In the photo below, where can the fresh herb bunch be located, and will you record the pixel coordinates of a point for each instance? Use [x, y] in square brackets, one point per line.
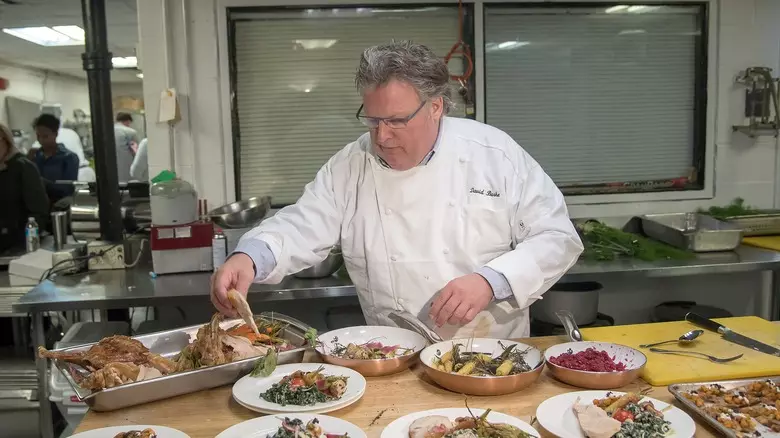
[603, 243]
[736, 208]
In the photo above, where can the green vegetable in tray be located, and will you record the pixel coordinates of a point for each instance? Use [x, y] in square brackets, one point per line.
[736, 208]
[603, 243]
[265, 365]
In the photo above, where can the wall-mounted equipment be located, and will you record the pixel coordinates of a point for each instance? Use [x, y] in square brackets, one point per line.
[762, 102]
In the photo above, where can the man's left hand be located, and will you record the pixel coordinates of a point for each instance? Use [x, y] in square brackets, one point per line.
[461, 300]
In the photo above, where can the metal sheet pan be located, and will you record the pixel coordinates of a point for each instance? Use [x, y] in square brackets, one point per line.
[692, 231]
[168, 344]
[681, 388]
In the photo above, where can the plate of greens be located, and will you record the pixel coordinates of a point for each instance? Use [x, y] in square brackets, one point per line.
[294, 426]
[300, 387]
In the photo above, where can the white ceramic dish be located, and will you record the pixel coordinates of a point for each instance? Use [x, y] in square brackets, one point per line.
[400, 427]
[248, 389]
[556, 414]
[111, 432]
[262, 427]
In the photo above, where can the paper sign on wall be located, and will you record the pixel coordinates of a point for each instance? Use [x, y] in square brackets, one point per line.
[169, 106]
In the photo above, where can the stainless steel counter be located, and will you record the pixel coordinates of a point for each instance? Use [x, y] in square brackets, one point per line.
[135, 288]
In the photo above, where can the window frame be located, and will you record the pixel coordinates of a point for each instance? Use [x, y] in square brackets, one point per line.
[709, 116]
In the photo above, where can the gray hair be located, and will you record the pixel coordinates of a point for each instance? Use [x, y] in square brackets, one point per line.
[408, 62]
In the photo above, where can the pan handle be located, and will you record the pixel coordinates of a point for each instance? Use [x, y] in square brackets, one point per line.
[300, 325]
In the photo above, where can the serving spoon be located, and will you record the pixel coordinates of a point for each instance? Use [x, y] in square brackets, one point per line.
[687, 338]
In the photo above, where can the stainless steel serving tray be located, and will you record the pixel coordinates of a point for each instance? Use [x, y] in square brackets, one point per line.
[692, 231]
[168, 344]
[679, 389]
[766, 224]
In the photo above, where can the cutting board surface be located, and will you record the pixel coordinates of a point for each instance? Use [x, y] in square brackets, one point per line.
[665, 369]
[766, 242]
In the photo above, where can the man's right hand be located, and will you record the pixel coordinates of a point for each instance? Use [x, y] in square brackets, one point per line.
[237, 273]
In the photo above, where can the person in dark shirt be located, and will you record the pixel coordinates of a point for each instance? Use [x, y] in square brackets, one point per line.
[22, 194]
[55, 162]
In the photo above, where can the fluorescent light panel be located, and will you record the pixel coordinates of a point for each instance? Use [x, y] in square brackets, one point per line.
[124, 61]
[56, 36]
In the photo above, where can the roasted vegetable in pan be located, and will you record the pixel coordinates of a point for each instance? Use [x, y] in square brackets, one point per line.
[510, 361]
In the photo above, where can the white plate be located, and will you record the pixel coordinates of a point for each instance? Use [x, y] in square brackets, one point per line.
[111, 432]
[557, 415]
[365, 333]
[261, 427]
[248, 389]
[400, 427]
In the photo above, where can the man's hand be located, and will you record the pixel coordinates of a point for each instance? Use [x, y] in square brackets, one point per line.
[237, 273]
[461, 300]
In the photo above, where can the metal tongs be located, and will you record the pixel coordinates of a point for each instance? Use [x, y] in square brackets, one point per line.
[406, 319]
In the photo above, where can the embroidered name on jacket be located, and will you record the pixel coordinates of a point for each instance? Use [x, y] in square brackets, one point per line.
[483, 192]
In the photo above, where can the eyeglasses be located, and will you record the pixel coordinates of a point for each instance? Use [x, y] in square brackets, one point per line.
[392, 122]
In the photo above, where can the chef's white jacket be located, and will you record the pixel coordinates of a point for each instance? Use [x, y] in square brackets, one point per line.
[481, 201]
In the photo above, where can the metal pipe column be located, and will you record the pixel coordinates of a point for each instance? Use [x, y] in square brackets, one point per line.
[97, 63]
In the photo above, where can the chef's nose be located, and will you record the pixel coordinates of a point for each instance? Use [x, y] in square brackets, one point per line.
[383, 132]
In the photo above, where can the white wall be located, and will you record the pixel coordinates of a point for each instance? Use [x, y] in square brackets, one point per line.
[39, 86]
[185, 55]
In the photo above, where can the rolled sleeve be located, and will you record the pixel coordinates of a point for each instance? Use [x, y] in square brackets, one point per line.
[502, 290]
[260, 253]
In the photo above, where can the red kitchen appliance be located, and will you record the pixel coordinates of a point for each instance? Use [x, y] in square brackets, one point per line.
[182, 248]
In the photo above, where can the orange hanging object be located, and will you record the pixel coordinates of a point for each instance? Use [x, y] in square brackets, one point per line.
[462, 49]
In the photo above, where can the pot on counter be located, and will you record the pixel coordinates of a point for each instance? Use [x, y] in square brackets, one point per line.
[581, 299]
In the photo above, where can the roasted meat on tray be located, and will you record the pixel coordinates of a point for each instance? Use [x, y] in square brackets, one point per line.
[215, 346]
[112, 362]
[114, 349]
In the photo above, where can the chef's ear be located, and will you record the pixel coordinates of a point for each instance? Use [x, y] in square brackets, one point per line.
[437, 108]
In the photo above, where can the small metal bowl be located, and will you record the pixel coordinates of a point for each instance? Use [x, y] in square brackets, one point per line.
[633, 359]
[325, 268]
[363, 334]
[241, 214]
[482, 385]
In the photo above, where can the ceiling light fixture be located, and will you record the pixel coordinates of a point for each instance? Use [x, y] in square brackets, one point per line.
[56, 36]
[616, 8]
[124, 62]
[140, 75]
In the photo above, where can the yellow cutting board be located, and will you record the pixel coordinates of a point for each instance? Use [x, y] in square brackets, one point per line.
[766, 242]
[665, 369]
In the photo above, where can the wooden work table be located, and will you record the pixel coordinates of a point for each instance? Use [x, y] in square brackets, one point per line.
[207, 413]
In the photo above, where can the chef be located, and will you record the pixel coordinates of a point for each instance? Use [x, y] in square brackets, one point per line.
[445, 218]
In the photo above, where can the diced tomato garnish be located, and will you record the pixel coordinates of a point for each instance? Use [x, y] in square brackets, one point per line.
[623, 415]
[296, 382]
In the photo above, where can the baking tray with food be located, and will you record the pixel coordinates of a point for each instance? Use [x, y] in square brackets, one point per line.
[121, 371]
[737, 408]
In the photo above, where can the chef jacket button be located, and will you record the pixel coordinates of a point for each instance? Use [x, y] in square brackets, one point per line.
[401, 301]
[451, 203]
[427, 277]
[463, 159]
[388, 211]
[446, 250]
[393, 258]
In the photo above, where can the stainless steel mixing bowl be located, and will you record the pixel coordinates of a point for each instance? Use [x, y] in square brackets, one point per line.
[325, 268]
[241, 214]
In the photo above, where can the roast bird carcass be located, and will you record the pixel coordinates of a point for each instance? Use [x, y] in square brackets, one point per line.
[215, 346]
[112, 361]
